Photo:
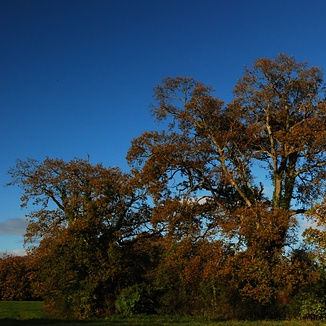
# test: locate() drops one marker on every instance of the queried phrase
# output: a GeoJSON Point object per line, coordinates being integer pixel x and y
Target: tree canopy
{"type": "Point", "coordinates": [85, 216]}
{"type": "Point", "coordinates": [214, 152]}
{"type": "Point", "coordinates": [207, 219]}
{"type": "Point", "coordinates": [204, 170]}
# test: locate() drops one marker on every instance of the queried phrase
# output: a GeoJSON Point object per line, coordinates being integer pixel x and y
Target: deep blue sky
{"type": "Point", "coordinates": [76, 76]}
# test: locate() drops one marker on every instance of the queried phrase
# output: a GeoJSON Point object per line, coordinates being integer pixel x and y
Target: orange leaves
{"type": "Point", "coordinates": [104, 198]}
{"type": "Point", "coordinates": [264, 229]}
{"type": "Point", "coordinates": [194, 262]}
{"type": "Point", "coordinates": [283, 96]}
{"type": "Point", "coordinates": [196, 184]}
{"type": "Point", "coordinates": [253, 276]}
{"type": "Point", "coordinates": [15, 278]}
{"type": "Point", "coordinates": [96, 210]}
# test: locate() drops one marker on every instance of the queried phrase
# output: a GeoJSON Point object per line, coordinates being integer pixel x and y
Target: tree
{"type": "Point", "coordinates": [282, 99]}
{"type": "Point", "coordinates": [201, 171]}
{"type": "Point", "coordinates": [190, 281]}
{"type": "Point", "coordinates": [16, 278]}
{"type": "Point", "coordinates": [86, 215]}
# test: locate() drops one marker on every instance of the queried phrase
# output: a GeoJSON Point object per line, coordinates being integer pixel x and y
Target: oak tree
{"type": "Point", "coordinates": [206, 170]}
{"type": "Point", "coordinates": [85, 215]}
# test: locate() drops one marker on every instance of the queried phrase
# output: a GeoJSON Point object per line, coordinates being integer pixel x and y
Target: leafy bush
{"type": "Point", "coordinates": [134, 300]}
{"type": "Point", "coordinates": [313, 308]}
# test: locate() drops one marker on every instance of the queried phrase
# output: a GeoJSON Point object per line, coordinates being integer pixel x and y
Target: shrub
{"type": "Point", "coordinates": [313, 308]}
{"type": "Point", "coordinates": [135, 299]}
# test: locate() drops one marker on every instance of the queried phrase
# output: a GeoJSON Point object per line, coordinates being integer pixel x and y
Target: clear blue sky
{"type": "Point", "coordinates": [76, 76]}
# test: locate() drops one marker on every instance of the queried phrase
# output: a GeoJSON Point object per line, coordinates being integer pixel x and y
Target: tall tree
{"type": "Point", "coordinates": [283, 99]}
{"type": "Point", "coordinates": [85, 216]}
{"type": "Point", "coordinates": [202, 169]}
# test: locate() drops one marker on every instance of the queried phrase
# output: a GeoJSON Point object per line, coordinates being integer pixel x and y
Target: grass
{"type": "Point", "coordinates": [21, 310]}
{"type": "Point", "coordinates": [24, 313]}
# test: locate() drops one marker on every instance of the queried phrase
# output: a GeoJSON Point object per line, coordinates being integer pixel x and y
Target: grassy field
{"type": "Point", "coordinates": [21, 310]}
{"type": "Point", "coordinates": [30, 313]}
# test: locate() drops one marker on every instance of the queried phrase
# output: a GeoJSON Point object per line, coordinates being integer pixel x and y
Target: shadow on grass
{"type": "Point", "coordinates": [52, 322]}
{"type": "Point", "coordinates": [103, 322]}
{"type": "Point", "coordinates": [133, 322]}
{"type": "Point", "coordinates": [59, 322]}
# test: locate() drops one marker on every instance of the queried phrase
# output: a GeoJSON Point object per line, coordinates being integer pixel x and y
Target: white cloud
{"type": "Point", "coordinates": [307, 223]}
{"type": "Point", "coordinates": [16, 252]}
{"type": "Point", "coordinates": [13, 226]}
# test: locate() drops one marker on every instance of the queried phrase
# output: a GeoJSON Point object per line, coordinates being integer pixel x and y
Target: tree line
{"type": "Point", "coordinates": [191, 229]}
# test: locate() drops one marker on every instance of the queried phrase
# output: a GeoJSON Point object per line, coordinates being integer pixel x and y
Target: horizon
{"type": "Point", "coordinates": [77, 76]}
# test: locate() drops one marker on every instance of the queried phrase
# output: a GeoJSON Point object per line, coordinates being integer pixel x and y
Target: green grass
{"type": "Point", "coordinates": [21, 309]}
{"type": "Point", "coordinates": [24, 313]}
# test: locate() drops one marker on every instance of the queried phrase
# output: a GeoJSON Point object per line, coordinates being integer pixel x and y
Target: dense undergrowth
{"type": "Point", "coordinates": [30, 313]}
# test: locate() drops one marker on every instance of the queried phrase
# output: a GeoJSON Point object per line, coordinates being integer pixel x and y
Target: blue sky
{"type": "Point", "coordinates": [76, 76]}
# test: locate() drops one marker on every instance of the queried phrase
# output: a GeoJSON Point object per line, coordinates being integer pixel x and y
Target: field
{"type": "Point", "coordinates": [22, 313]}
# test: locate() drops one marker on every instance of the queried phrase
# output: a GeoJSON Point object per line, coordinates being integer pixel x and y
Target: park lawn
{"type": "Point", "coordinates": [29, 313]}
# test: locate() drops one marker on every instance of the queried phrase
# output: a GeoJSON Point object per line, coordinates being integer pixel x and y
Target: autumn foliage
{"type": "Point", "coordinates": [207, 220]}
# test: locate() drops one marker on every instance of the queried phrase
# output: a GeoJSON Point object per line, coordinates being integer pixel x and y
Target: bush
{"type": "Point", "coordinates": [134, 300]}
{"type": "Point", "coordinates": [313, 308]}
